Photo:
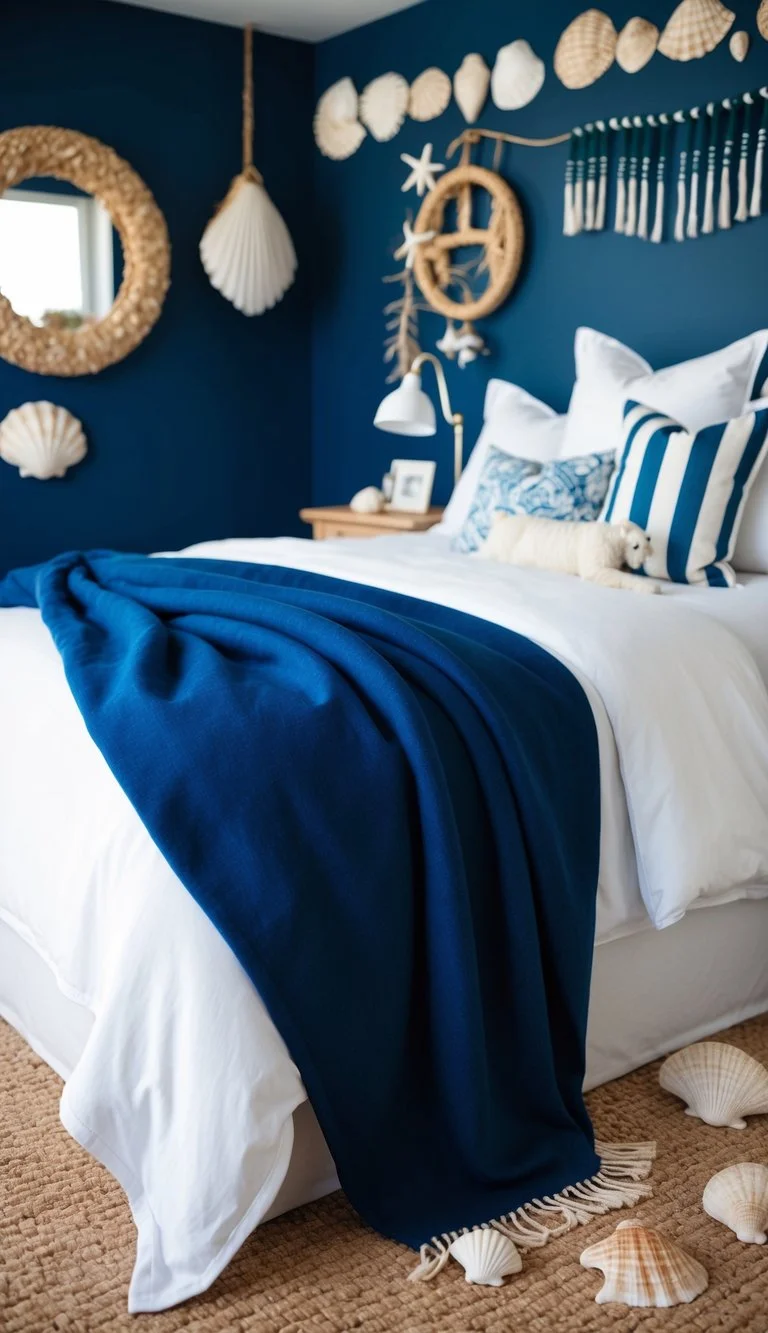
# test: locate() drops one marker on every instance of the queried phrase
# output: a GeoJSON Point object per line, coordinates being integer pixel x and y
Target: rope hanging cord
{"type": "Point", "coordinates": [249, 169]}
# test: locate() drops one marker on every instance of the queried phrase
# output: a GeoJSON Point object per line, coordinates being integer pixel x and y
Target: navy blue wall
{"type": "Point", "coordinates": [204, 431]}
{"type": "Point", "coordinates": [669, 302]}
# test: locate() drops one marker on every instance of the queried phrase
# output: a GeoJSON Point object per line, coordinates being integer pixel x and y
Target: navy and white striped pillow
{"type": "Point", "coordinates": [687, 490]}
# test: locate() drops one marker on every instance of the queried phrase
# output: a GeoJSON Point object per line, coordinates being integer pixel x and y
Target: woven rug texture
{"type": "Point", "coordinates": [67, 1239]}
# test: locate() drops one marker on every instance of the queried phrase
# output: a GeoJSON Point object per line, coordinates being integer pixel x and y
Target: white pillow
{"type": "Point", "coordinates": [515, 422]}
{"type": "Point", "coordinates": [751, 554]}
{"type": "Point", "coordinates": [697, 393]}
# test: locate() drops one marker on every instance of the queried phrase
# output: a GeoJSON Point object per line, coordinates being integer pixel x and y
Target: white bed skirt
{"type": "Point", "coordinates": [652, 992]}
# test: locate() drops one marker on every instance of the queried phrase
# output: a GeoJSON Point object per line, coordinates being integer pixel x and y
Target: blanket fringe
{"type": "Point", "coordinates": [620, 1183]}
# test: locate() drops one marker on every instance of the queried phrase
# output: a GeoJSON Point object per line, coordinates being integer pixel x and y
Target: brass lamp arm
{"type": "Point", "coordinates": [454, 419]}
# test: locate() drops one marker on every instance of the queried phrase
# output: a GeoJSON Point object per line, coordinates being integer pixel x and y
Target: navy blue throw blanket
{"type": "Point", "coordinates": [390, 810]}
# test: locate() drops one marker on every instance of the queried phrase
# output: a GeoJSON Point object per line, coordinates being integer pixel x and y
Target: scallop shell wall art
{"type": "Point", "coordinates": [338, 132]}
{"type": "Point", "coordinates": [470, 86]}
{"type": "Point", "coordinates": [762, 19]}
{"type": "Point", "coordinates": [739, 45]}
{"type": "Point", "coordinates": [370, 500]}
{"type": "Point", "coordinates": [695, 28]}
{"type": "Point", "coordinates": [246, 249]}
{"type": "Point", "coordinates": [637, 42]}
{"type": "Point", "coordinates": [719, 1083]}
{"type": "Point", "coordinates": [738, 1197]}
{"type": "Point", "coordinates": [383, 106]}
{"type": "Point", "coordinates": [586, 49]}
{"type": "Point", "coordinates": [430, 95]}
{"type": "Point", "coordinates": [517, 76]}
{"type": "Point", "coordinates": [486, 1256]}
{"type": "Point", "coordinates": [42, 440]}
{"type": "Point", "coordinates": [643, 1267]}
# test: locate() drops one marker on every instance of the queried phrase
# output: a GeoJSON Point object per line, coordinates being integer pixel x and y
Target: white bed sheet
{"type": "Point", "coordinates": [125, 940]}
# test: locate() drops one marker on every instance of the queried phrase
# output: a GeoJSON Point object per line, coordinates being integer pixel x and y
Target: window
{"type": "Point", "coordinates": [56, 256]}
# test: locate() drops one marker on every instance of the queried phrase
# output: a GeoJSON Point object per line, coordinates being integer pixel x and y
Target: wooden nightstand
{"type": "Point", "coordinates": [341, 521]}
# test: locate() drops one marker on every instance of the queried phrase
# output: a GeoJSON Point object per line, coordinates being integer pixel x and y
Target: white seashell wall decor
{"type": "Point", "coordinates": [643, 1267]}
{"type": "Point", "coordinates": [42, 440]}
{"type": "Point", "coordinates": [246, 249]}
{"type": "Point", "coordinates": [720, 1083]}
{"type": "Point", "coordinates": [738, 1197]}
{"type": "Point", "coordinates": [586, 49]}
{"type": "Point", "coordinates": [695, 28]}
{"type": "Point", "coordinates": [739, 45]}
{"type": "Point", "coordinates": [430, 95]}
{"type": "Point", "coordinates": [486, 1256]}
{"type": "Point", "coordinates": [338, 132]}
{"type": "Point", "coordinates": [762, 19]}
{"type": "Point", "coordinates": [518, 76]}
{"type": "Point", "coordinates": [637, 42]}
{"type": "Point", "coordinates": [470, 86]}
{"type": "Point", "coordinates": [383, 106]}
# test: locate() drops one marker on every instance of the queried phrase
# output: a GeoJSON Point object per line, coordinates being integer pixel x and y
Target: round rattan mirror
{"type": "Point", "coordinates": [64, 346]}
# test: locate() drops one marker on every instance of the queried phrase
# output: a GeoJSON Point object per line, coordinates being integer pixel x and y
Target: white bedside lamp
{"type": "Point", "coordinates": [408, 410]}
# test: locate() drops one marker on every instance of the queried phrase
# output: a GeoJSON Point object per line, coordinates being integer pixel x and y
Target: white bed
{"type": "Point", "coordinates": [112, 973]}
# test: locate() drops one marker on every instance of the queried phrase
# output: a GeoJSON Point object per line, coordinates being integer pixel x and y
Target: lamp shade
{"type": "Point", "coordinates": [407, 410]}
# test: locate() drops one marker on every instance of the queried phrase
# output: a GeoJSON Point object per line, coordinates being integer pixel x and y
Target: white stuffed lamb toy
{"type": "Point", "coordinates": [595, 551]}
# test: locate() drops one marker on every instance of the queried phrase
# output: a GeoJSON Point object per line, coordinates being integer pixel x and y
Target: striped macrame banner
{"type": "Point", "coordinates": [718, 153]}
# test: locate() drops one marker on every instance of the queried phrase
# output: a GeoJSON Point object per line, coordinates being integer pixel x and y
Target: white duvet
{"type": "Point", "coordinates": [198, 1129]}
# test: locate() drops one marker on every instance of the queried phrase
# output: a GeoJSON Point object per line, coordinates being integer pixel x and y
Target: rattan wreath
{"type": "Point", "coordinates": [503, 241]}
{"type": "Point", "coordinates": [45, 150]}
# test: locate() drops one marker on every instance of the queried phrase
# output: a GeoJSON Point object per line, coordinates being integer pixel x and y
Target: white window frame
{"type": "Point", "coordinates": [94, 228]}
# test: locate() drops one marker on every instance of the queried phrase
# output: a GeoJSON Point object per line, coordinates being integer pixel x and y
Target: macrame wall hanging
{"type": "Point", "coordinates": [710, 159]}
{"type": "Point", "coordinates": [246, 249]}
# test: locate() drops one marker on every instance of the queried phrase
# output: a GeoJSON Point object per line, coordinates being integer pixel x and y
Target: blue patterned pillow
{"type": "Point", "coordinates": [572, 488]}
{"type": "Point", "coordinates": [501, 476]}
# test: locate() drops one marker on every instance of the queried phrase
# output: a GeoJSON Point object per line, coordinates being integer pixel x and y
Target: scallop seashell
{"type": "Point", "coordinates": [247, 250]}
{"type": "Point", "coordinates": [695, 28]}
{"type": "Point", "coordinates": [486, 1256]}
{"type": "Point", "coordinates": [430, 95]}
{"type": "Point", "coordinates": [739, 45]}
{"type": "Point", "coordinates": [42, 440]}
{"type": "Point", "coordinates": [517, 76]}
{"type": "Point", "coordinates": [738, 1197]}
{"type": "Point", "coordinates": [383, 106]}
{"type": "Point", "coordinates": [719, 1083]}
{"type": "Point", "coordinates": [586, 49]}
{"type": "Point", "coordinates": [642, 1267]}
{"type": "Point", "coordinates": [637, 42]}
{"type": "Point", "coordinates": [470, 86]}
{"type": "Point", "coordinates": [762, 19]}
{"type": "Point", "coordinates": [370, 500]}
{"type": "Point", "coordinates": [338, 132]}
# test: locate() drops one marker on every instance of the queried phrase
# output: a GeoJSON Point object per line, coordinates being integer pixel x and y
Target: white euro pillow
{"type": "Point", "coordinates": [515, 422]}
{"type": "Point", "coordinates": [751, 554]}
{"type": "Point", "coordinates": [698, 393]}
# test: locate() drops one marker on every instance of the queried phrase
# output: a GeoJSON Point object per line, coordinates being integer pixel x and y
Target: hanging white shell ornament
{"type": "Point", "coordinates": [720, 1083]}
{"type": "Point", "coordinates": [383, 106]}
{"type": "Point", "coordinates": [738, 1197]}
{"type": "Point", "coordinates": [42, 440]}
{"type": "Point", "coordinates": [246, 249]}
{"type": "Point", "coordinates": [739, 45]}
{"type": "Point", "coordinates": [695, 28]}
{"type": "Point", "coordinates": [586, 49]}
{"type": "Point", "coordinates": [370, 500]}
{"type": "Point", "coordinates": [338, 132]}
{"type": "Point", "coordinates": [636, 44]}
{"type": "Point", "coordinates": [643, 1267]}
{"type": "Point", "coordinates": [470, 86]}
{"type": "Point", "coordinates": [518, 76]}
{"type": "Point", "coordinates": [430, 95]}
{"type": "Point", "coordinates": [486, 1256]}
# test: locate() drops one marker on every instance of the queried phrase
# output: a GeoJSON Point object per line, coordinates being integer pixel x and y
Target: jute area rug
{"type": "Point", "coordinates": [67, 1240]}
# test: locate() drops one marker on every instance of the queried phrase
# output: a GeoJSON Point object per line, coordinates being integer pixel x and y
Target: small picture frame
{"type": "Point", "coordinates": [413, 482]}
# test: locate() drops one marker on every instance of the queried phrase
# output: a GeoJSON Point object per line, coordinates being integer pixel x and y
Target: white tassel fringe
{"type": "Point", "coordinates": [620, 1183]}
{"type": "Point", "coordinates": [630, 225]}
{"type": "Point", "coordinates": [658, 222]}
{"type": "Point", "coordinates": [642, 220]}
{"type": "Point", "coordinates": [724, 202]}
{"type": "Point", "coordinates": [680, 214]}
{"type": "Point", "coordinates": [757, 180]}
